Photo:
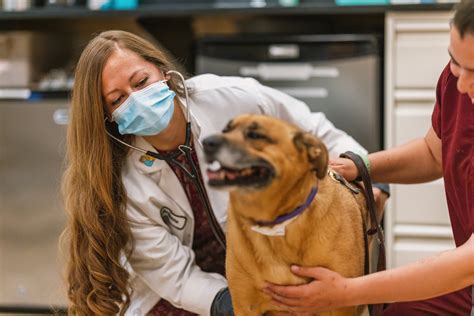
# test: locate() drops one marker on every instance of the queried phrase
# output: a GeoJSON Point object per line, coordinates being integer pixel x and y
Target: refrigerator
{"type": "Point", "coordinates": [32, 148]}
{"type": "Point", "coordinates": [337, 74]}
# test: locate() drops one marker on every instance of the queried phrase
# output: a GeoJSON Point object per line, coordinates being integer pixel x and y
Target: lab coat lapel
{"type": "Point", "coordinates": [167, 181]}
{"type": "Point", "coordinates": [173, 189]}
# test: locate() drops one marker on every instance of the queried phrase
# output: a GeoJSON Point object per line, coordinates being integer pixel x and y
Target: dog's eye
{"type": "Point", "coordinates": [255, 135]}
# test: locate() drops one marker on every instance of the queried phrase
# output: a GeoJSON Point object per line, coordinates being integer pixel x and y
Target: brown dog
{"type": "Point", "coordinates": [273, 169]}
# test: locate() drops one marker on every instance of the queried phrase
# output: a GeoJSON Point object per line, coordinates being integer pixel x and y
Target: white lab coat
{"type": "Point", "coordinates": [163, 261]}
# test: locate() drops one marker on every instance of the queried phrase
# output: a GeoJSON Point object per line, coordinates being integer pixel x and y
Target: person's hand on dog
{"type": "Point", "coordinates": [345, 167]}
{"type": "Point", "coordinates": [326, 292]}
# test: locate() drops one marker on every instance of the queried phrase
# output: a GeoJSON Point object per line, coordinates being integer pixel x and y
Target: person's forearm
{"type": "Point", "coordinates": [447, 272]}
{"type": "Point", "coordinates": [409, 163]}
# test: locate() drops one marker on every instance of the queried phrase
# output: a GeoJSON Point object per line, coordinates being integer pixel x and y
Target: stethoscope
{"type": "Point", "coordinates": [186, 150]}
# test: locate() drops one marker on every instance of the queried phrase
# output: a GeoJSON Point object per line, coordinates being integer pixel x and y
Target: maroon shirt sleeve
{"type": "Point", "coordinates": [440, 87]}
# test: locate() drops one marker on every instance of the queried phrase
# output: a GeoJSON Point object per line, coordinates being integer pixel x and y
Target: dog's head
{"type": "Point", "coordinates": [256, 152]}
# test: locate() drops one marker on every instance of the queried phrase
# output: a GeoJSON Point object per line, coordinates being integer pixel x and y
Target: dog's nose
{"type": "Point", "coordinates": [212, 144]}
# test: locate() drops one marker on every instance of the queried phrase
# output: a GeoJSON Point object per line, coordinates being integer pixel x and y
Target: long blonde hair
{"type": "Point", "coordinates": [97, 232]}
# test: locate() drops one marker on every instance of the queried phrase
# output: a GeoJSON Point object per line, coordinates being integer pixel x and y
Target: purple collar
{"type": "Point", "coordinates": [297, 211]}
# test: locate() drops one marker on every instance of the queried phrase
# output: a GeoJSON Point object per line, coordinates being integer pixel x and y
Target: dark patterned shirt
{"type": "Point", "coordinates": [210, 256]}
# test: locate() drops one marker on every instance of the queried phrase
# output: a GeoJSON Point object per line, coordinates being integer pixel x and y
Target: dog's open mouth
{"type": "Point", "coordinates": [257, 175]}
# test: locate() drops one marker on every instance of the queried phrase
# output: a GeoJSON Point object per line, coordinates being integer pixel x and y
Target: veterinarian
{"type": "Point", "coordinates": [138, 230]}
{"type": "Point", "coordinates": [447, 150]}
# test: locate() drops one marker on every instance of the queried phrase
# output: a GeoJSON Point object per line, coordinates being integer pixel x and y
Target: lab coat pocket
{"type": "Point", "coordinates": [178, 223]}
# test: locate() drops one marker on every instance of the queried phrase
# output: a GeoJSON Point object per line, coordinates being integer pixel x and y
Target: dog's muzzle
{"type": "Point", "coordinates": [232, 165]}
{"type": "Point", "coordinates": [212, 145]}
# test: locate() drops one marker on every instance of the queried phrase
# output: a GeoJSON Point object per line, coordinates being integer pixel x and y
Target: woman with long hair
{"type": "Point", "coordinates": [144, 233]}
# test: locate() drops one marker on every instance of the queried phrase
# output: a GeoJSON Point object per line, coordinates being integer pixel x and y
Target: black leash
{"type": "Point", "coordinates": [375, 228]}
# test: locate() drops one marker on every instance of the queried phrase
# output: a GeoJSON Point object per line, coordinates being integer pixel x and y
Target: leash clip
{"type": "Point", "coordinates": [343, 181]}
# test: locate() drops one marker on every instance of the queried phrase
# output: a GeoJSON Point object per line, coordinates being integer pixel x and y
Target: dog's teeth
{"type": "Point", "coordinates": [246, 171]}
{"type": "Point", "coordinates": [231, 176]}
{"type": "Point", "coordinates": [214, 166]}
{"type": "Point", "coordinates": [221, 175]}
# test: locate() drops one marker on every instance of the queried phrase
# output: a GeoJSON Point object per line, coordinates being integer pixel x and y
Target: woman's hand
{"type": "Point", "coordinates": [345, 167]}
{"type": "Point", "coordinates": [327, 291]}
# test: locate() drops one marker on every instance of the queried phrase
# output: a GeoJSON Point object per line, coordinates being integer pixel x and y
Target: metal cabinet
{"type": "Point", "coordinates": [32, 139]}
{"type": "Point", "coordinates": [417, 222]}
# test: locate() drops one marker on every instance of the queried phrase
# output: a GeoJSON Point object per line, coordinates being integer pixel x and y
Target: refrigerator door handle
{"type": "Point", "coordinates": [306, 92]}
{"type": "Point", "coordinates": [288, 71]}
{"type": "Point", "coordinates": [284, 51]}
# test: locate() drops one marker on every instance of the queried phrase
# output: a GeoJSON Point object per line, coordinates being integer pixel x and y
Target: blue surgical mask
{"type": "Point", "coordinates": [147, 111]}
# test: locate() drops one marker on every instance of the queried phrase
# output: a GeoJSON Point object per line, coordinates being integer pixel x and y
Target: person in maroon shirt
{"type": "Point", "coordinates": [446, 151]}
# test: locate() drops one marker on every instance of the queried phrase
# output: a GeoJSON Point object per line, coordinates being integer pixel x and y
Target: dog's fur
{"type": "Point", "coordinates": [329, 233]}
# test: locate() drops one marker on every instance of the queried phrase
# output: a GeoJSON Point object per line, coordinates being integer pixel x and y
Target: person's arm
{"type": "Point", "coordinates": [415, 162]}
{"type": "Point", "coordinates": [446, 272]}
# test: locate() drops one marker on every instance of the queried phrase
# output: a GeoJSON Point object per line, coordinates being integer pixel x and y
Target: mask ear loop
{"type": "Point", "coordinates": [121, 141]}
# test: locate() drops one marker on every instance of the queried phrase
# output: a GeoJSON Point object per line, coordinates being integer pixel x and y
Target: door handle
{"type": "Point", "coordinates": [288, 71]}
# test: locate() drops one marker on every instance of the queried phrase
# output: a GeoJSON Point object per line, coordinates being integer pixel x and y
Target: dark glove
{"type": "Point", "coordinates": [222, 304]}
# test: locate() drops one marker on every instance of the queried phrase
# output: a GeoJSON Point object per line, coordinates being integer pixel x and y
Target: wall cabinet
{"type": "Point", "coordinates": [416, 47]}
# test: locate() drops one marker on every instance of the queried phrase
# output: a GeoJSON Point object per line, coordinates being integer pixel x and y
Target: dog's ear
{"type": "Point", "coordinates": [228, 127]}
{"type": "Point", "coordinates": [316, 151]}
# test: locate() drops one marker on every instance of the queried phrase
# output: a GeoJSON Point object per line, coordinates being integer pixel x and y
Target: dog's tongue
{"type": "Point", "coordinates": [215, 175]}
{"type": "Point", "coordinates": [231, 175]}
{"type": "Point", "coordinates": [222, 174]}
